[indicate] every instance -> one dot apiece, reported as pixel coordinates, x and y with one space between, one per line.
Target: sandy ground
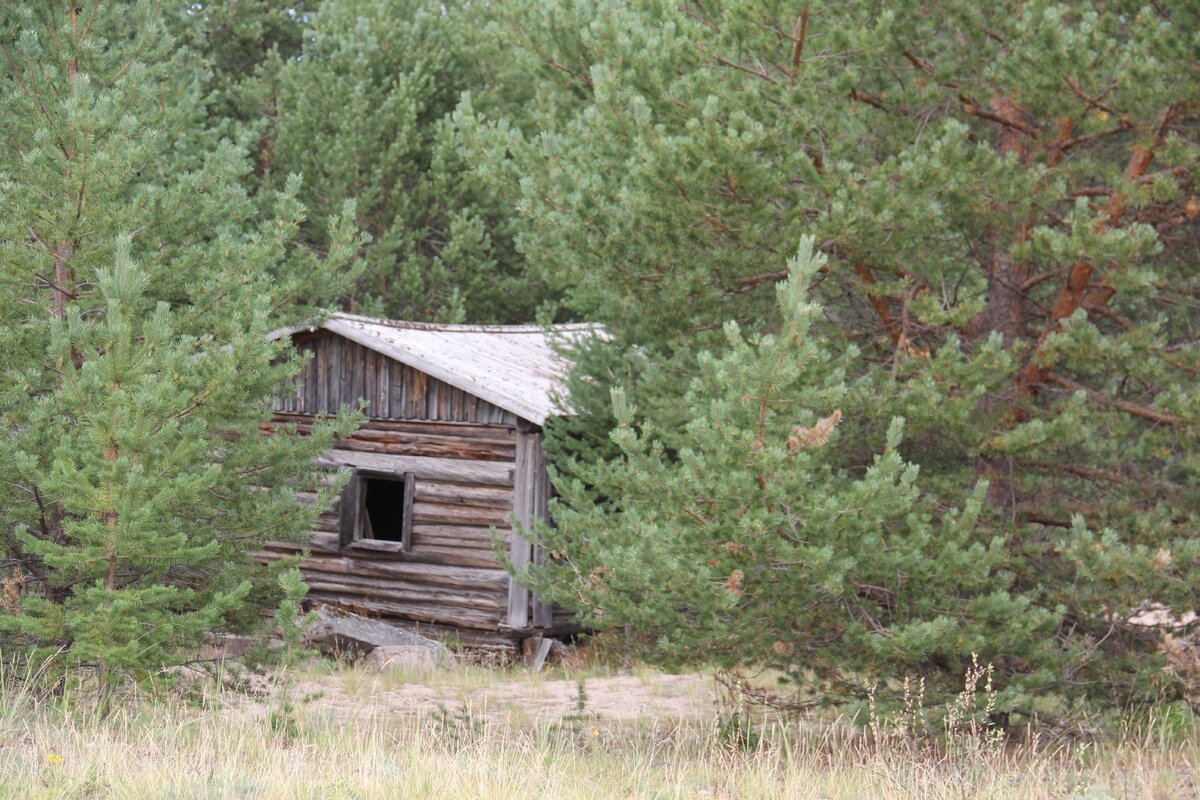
535 699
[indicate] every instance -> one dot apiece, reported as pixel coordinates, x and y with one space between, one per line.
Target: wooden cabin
451 450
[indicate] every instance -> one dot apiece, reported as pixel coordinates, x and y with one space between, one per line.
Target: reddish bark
1079 291
880 304
1005 309
63 276
1007 277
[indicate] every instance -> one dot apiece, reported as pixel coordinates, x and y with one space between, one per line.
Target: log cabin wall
472 466
450 576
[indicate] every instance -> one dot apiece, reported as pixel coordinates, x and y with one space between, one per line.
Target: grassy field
345 738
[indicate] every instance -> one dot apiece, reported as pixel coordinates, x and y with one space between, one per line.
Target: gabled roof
511 366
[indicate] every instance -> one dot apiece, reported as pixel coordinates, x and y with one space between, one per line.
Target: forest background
902 301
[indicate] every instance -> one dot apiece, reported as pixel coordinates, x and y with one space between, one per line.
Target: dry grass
464 678
225 746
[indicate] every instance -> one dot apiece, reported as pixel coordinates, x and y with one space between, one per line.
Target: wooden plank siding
341 372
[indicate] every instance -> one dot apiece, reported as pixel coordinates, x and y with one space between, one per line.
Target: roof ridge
466 328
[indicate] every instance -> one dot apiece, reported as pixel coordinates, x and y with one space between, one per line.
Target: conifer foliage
1007 194
138 291
364 115
752 545
241 48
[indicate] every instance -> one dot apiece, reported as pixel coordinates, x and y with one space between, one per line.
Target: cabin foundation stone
398 656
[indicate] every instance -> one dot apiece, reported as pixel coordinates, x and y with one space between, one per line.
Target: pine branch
1002 118
1136 410
1096 476
1092 102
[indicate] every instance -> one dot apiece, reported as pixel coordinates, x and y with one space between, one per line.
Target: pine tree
1007 196
139 288
754 546
364 116
241 49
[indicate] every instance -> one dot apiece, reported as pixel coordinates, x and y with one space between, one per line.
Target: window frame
354 511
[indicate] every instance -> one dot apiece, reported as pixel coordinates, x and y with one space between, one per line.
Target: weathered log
462 494
459 535
385 590
450 557
484 498
413 443
486 473
459 430
482 580
455 556
431 449
320 542
485 579
417 612
447 514
390 431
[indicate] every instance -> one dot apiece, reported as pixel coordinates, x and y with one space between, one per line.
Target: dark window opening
377 508
385 504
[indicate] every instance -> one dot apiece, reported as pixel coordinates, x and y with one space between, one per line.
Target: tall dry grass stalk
222 746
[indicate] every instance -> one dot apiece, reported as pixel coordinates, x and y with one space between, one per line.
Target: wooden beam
541 654
543 612
454 470
459 494
478 619
492 579
348 520
406 523
528 468
451 514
